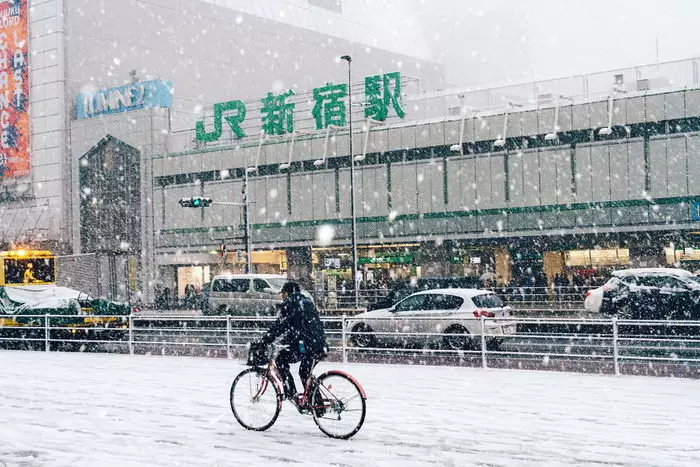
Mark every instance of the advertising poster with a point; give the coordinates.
(14, 89)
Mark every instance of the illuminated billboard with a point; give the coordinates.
(14, 89)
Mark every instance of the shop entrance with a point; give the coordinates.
(194, 276)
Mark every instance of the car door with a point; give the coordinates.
(434, 316)
(264, 297)
(240, 296)
(401, 317)
(676, 298)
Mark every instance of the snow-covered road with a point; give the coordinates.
(72, 409)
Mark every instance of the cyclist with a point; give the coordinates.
(301, 330)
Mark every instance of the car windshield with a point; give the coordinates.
(230, 285)
(276, 283)
(487, 301)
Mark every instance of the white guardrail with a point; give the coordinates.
(612, 346)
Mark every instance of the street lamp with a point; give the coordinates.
(348, 59)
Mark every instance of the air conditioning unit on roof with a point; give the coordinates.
(545, 98)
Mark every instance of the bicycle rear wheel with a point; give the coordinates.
(256, 400)
(338, 405)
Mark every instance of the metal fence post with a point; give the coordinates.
(131, 335)
(344, 337)
(228, 337)
(484, 364)
(616, 351)
(47, 325)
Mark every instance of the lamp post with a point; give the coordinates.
(356, 285)
(246, 221)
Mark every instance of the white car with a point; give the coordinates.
(448, 317)
(244, 294)
(594, 297)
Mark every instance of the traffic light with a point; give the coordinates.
(197, 202)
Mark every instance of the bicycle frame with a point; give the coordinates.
(271, 374)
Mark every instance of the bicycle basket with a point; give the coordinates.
(258, 354)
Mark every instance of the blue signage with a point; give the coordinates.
(139, 95)
(695, 211)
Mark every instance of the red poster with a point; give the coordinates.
(14, 89)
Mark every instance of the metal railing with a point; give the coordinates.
(611, 346)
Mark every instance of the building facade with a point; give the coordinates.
(203, 51)
(135, 104)
(568, 184)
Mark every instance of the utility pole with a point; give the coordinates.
(246, 225)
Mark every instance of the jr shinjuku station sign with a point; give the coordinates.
(382, 94)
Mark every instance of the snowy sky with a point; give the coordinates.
(497, 40)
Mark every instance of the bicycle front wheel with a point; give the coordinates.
(256, 400)
(338, 405)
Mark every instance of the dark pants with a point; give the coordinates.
(285, 358)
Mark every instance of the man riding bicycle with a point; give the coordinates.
(301, 330)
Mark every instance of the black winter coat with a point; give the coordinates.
(299, 326)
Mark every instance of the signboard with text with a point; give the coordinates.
(695, 211)
(382, 98)
(14, 89)
(135, 96)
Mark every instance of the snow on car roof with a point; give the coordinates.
(248, 276)
(464, 293)
(653, 272)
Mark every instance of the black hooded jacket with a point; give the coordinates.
(299, 326)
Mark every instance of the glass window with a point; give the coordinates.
(660, 282)
(231, 285)
(260, 285)
(412, 303)
(29, 271)
(671, 282)
(488, 301)
(444, 302)
(276, 283)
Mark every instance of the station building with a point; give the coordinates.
(574, 176)
(130, 106)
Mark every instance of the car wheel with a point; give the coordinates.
(362, 336)
(457, 338)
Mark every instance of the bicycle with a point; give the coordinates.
(335, 400)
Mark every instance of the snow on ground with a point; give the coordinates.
(69, 409)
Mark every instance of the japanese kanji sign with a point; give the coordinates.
(379, 96)
(382, 96)
(277, 114)
(330, 105)
(14, 89)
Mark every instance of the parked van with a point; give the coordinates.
(244, 294)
